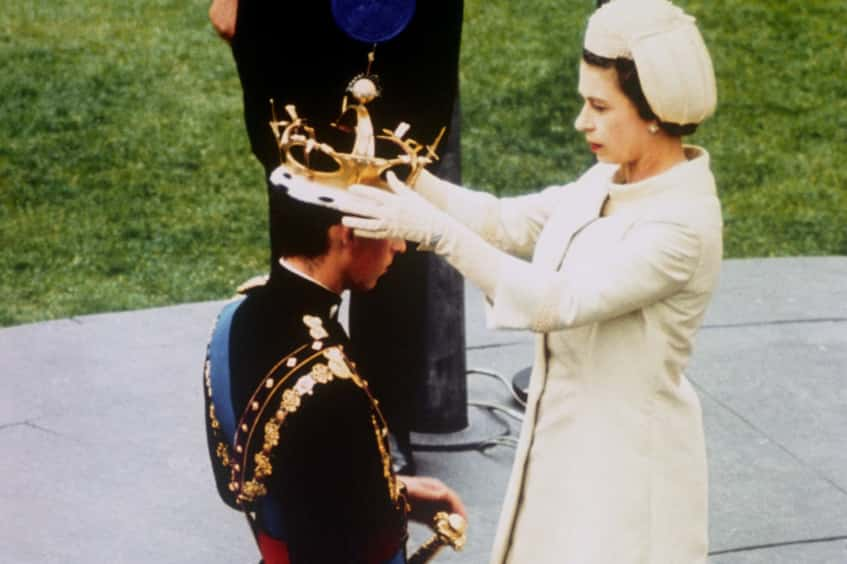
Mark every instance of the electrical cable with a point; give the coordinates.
(506, 383)
(497, 407)
(503, 438)
(479, 445)
(777, 544)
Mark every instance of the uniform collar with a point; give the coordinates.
(310, 296)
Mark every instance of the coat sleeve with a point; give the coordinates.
(329, 477)
(510, 224)
(654, 260)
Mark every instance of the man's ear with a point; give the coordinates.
(341, 235)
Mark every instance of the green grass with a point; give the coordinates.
(778, 140)
(126, 179)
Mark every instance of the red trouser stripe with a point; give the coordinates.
(273, 551)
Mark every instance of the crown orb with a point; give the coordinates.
(364, 90)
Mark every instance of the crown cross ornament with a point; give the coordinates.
(301, 151)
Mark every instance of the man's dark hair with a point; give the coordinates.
(298, 229)
(631, 86)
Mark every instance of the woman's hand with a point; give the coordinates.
(400, 213)
(427, 496)
(403, 214)
(223, 15)
(396, 214)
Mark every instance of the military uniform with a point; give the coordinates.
(309, 461)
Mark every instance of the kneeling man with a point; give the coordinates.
(297, 441)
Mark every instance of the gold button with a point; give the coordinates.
(269, 383)
(244, 427)
(255, 406)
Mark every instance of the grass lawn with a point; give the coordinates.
(126, 179)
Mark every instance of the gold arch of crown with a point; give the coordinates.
(361, 165)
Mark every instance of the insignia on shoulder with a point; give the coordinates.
(321, 373)
(255, 282)
(316, 327)
(337, 363)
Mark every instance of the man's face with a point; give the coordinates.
(370, 260)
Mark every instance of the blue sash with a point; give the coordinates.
(219, 374)
(268, 512)
(398, 558)
(269, 515)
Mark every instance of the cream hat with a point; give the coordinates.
(673, 64)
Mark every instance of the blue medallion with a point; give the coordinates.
(372, 21)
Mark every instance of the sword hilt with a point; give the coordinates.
(449, 530)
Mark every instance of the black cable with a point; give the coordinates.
(502, 438)
(506, 383)
(500, 408)
(482, 444)
(777, 544)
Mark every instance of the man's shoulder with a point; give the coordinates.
(280, 318)
(311, 394)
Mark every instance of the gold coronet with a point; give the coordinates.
(298, 143)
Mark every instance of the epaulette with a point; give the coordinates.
(252, 283)
(314, 364)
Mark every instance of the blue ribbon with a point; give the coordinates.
(219, 374)
(269, 516)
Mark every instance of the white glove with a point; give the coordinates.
(396, 214)
(478, 211)
(403, 214)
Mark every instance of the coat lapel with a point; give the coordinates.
(572, 215)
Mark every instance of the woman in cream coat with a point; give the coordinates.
(613, 272)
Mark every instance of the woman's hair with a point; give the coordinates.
(631, 86)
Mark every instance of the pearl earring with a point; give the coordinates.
(653, 128)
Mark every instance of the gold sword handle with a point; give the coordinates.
(426, 551)
(449, 530)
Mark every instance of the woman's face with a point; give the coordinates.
(610, 121)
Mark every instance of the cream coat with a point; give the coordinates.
(610, 467)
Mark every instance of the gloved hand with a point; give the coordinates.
(398, 214)
(403, 214)
(478, 211)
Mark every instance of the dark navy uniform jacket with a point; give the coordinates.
(326, 468)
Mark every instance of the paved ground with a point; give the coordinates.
(101, 419)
